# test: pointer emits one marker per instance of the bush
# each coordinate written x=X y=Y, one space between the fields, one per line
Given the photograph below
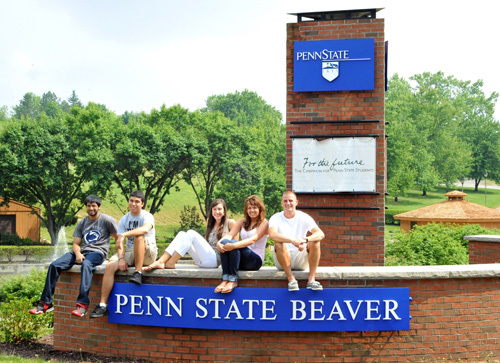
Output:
x=37 y=253
x=190 y=219
x=18 y=325
x=18 y=287
x=12 y=239
x=432 y=244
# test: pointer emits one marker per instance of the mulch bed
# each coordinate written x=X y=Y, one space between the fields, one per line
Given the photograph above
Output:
x=44 y=349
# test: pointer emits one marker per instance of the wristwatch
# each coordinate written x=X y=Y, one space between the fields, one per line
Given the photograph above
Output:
x=307 y=240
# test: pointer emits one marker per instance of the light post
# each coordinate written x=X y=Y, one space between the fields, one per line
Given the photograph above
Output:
x=462 y=180
x=485 y=179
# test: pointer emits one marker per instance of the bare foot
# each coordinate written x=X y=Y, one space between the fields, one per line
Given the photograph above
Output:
x=229 y=287
x=155 y=265
x=221 y=286
x=169 y=265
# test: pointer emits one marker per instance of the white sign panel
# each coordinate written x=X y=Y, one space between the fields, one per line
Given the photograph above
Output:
x=334 y=165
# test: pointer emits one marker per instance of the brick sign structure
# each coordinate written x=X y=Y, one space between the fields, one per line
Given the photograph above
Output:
x=353 y=221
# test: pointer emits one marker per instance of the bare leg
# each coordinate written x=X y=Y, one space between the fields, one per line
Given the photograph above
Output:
x=108 y=281
x=158 y=264
x=139 y=252
x=173 y=260
x=314 y=253
x=283 y=257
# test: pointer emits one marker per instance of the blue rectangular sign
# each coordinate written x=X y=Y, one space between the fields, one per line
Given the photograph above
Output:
x=356 y=309
x=334 y=65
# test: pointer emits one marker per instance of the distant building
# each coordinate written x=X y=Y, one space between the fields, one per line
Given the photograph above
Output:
x=454 y=210
x=18 y=218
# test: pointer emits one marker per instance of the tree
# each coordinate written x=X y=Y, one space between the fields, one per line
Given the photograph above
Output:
x=4 y=113
x=401 y=174
x=29 y=106
x=149 y=156
x=73 y=100
x=480 y=131
x=216 y=151
x=264 y=130
x=442 y=128
x=55 y=163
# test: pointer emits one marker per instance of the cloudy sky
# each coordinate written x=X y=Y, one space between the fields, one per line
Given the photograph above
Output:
x=135 y=55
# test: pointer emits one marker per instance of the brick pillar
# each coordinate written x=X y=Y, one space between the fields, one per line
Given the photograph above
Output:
x=353 y=223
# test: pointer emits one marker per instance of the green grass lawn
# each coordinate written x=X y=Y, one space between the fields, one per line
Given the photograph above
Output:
x=167 y=219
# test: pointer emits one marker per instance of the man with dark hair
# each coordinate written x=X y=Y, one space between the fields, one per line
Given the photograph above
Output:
x=95 y=231
x=137 y=227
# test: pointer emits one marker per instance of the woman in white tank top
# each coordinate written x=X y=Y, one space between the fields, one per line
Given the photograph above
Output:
x=248 y=253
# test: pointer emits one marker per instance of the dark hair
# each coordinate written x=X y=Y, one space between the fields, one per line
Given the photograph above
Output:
x=211 y=219
x=140 y=195
x=93 y=199
x=256 y=201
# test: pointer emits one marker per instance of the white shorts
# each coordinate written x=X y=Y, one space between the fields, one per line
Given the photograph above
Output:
x=149 y=256
x=299 y=260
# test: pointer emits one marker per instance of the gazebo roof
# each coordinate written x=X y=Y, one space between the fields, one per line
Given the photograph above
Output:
x=455 y=209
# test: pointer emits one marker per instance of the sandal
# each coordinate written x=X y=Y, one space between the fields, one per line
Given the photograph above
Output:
x=220 y=287
x=229 y=287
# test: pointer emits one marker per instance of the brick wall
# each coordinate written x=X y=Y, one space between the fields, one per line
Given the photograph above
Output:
x=453 y=318
x=483 y=249
x=353 y=223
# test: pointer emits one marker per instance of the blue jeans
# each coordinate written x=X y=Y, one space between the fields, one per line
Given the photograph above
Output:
x=65 y=262
x=239 y=258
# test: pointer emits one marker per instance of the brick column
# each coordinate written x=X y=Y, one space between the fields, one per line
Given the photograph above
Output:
x=353 y=223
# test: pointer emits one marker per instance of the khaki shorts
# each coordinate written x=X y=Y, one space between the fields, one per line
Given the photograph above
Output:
x=149 y=256
x=299 y=260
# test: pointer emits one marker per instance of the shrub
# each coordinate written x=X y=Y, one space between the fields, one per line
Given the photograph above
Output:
x=18 y=325
x=190 y=219
x=28 y=286
x=12 y=239
x=432 y=244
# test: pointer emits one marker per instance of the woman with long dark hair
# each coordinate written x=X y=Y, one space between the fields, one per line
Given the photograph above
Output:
x=203 y=250
x=248 y=253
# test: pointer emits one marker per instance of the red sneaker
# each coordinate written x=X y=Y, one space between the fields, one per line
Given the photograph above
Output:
x=81 y=310
x=42 y=308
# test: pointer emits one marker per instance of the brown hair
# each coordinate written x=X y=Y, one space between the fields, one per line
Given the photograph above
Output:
x=211 y=219
x=256 y=201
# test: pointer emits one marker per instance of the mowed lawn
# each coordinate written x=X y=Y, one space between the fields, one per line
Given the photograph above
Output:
x=168 y=218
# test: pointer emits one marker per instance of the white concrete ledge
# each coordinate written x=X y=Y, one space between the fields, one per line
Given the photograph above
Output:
x=483 y=238
x=333 y=273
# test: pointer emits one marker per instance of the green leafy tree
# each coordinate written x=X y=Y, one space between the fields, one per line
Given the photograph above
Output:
x=401 y=173
x=480 y=131
x=440 y=129
x=55 y=163
x=29 y=106
x=4 y=113
x=73 y=100
x=216 y=150
x=149 y=156
x=266 y=134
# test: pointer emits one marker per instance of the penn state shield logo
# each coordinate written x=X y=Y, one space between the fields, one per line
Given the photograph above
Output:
x=330 y=70
x=91 y=237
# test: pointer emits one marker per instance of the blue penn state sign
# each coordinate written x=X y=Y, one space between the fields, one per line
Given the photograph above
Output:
x=334 y=65
x=356 y=309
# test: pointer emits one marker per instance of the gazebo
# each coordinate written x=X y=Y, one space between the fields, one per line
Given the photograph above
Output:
x=454 y=210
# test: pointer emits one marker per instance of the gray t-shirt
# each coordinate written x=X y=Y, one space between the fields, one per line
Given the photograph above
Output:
x=95 y=234
x=129 y=222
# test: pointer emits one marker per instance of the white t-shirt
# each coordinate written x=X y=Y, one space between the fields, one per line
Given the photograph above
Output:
x=296 y=227
x=129 y=222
